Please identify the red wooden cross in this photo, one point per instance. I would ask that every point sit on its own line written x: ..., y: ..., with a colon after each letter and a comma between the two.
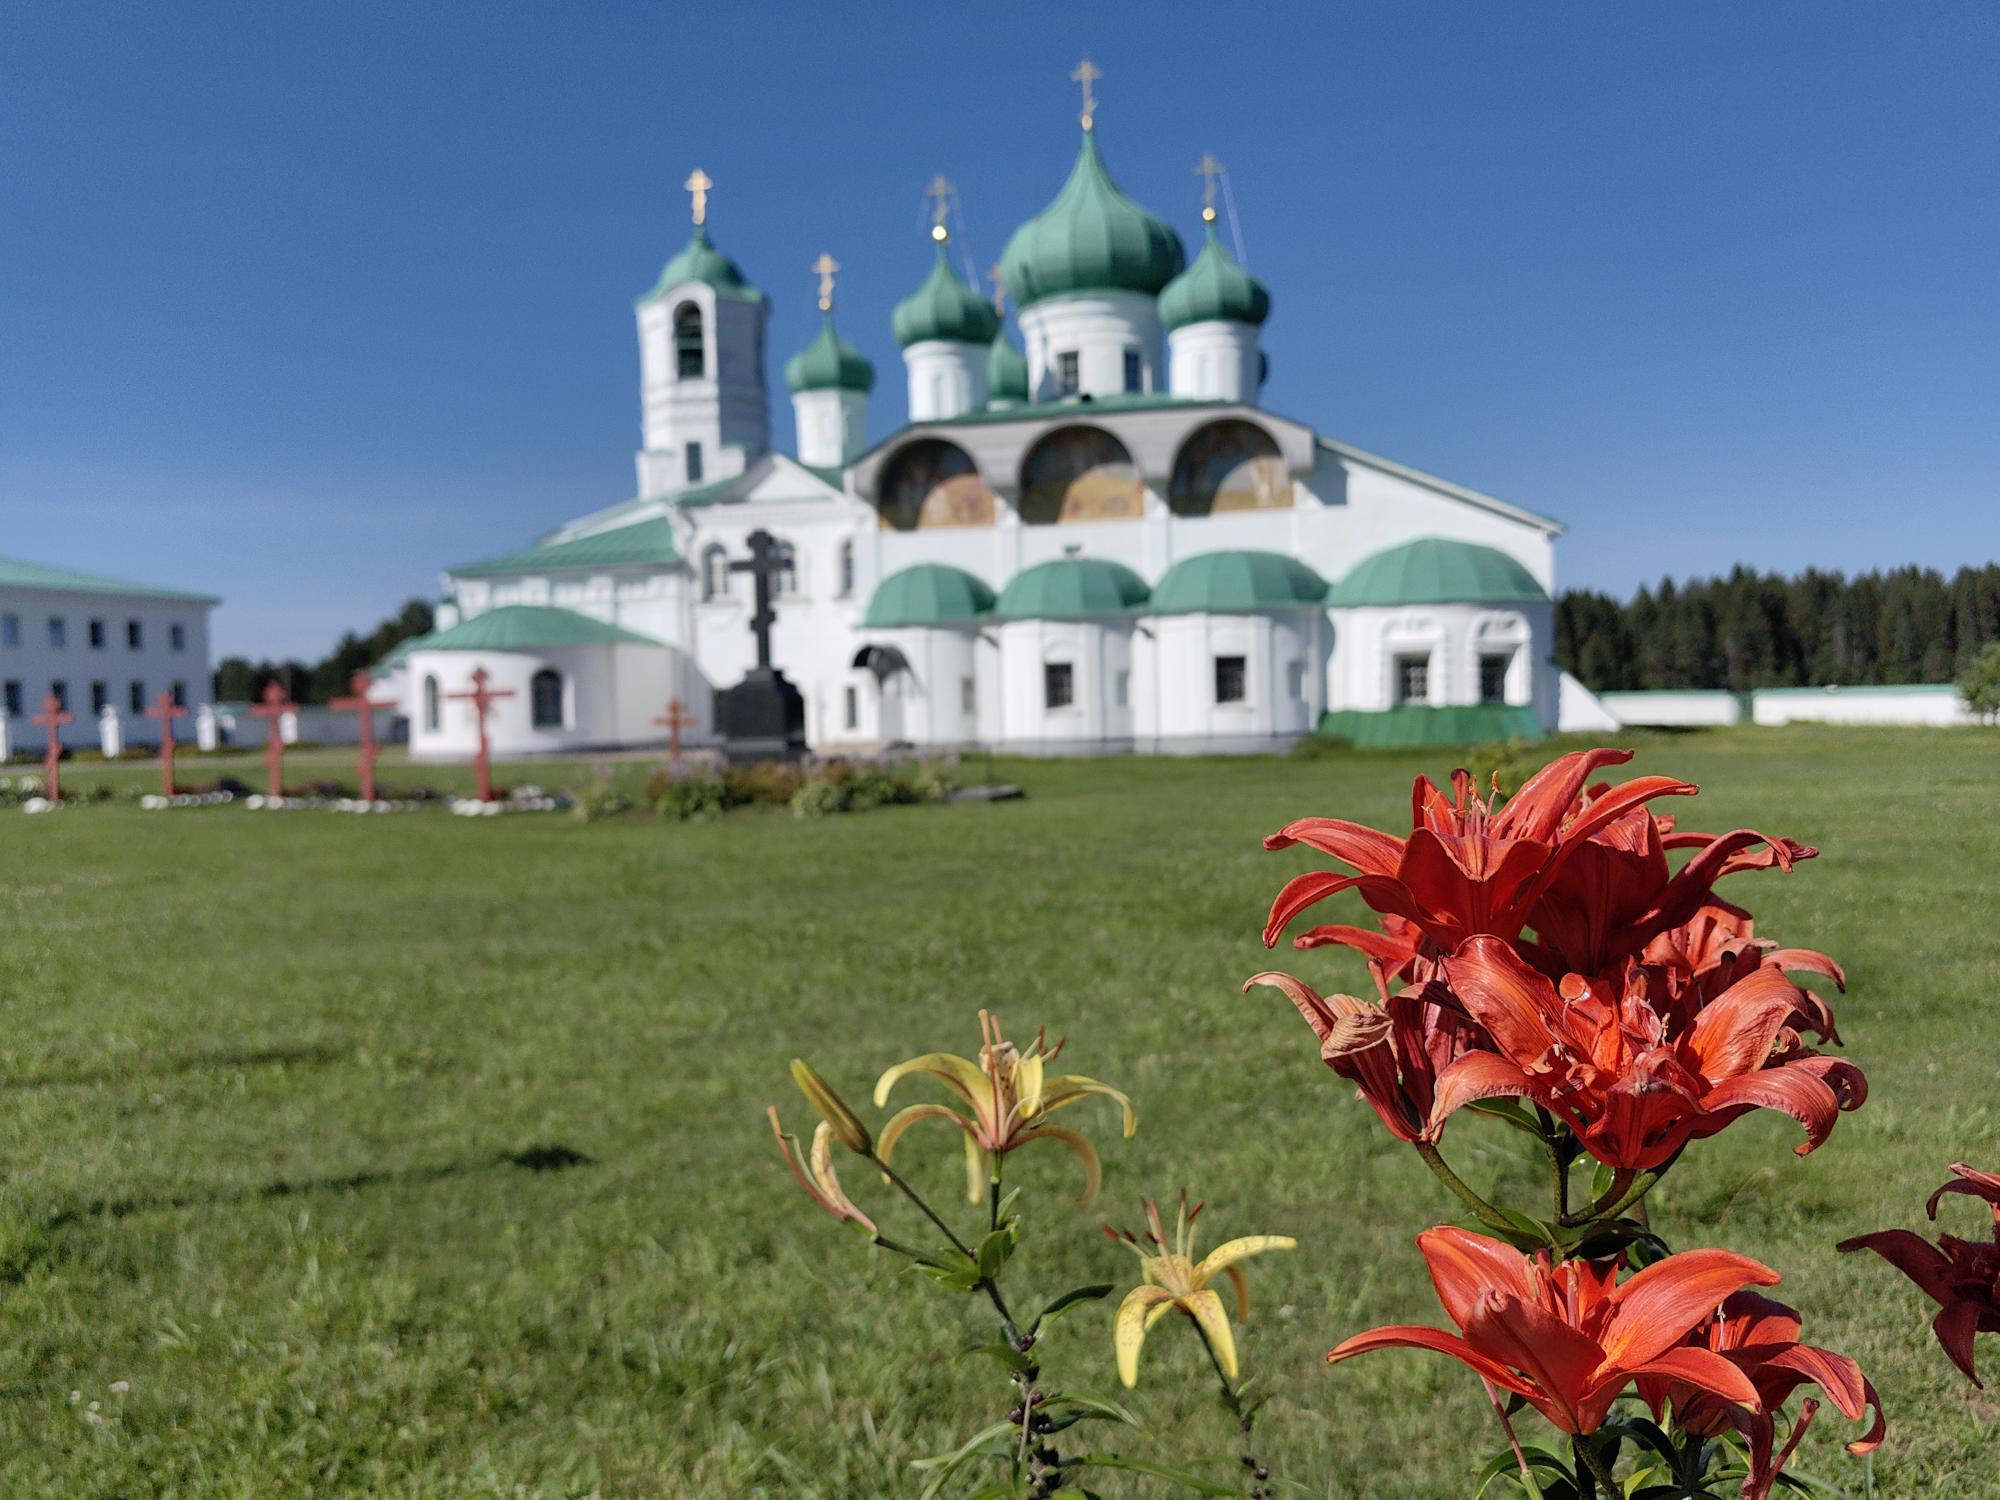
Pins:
x: 674, y: 721
x: 166, y: 711
x: 482, y: 698
x: 364, y: 705
x: 277, y: 703
x: 52, y: 718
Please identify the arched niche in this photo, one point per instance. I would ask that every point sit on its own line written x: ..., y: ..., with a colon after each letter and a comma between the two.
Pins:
x: 1079, y: 474
x: 1227, y: 466
x: 932, y: 483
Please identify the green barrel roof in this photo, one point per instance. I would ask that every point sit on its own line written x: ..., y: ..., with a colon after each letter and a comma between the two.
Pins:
x: 1238, y: 582
x: 1091, y: 237
x: 1214, y: 289
x: 829, y: 363
x: 1072, y: 588
x: 530, y: 627
x: 648, y: 543
x: 1006, y: 370
x: 944, y: 307
x: 928, y: 594
x: 1434, y: 570
x: 701, y: 261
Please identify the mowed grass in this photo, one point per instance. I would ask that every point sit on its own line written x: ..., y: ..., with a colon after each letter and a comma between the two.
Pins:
x: 418, y: 1156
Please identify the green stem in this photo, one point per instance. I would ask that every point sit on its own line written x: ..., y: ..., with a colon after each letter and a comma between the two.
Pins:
x: 1626, y: 1189
x: 1487, y: 1213
x: 1246, y: 1421
x: 1586, y: 1457
x: 1557, y: 1165
x: 985, y: 1283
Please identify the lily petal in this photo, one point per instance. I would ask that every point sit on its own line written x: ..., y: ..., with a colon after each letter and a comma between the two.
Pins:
x: 1650, y: 1313
x: 1229, y: 1252
x: 903, y: 1119
x: 1209, y: 1315
x: 1414, y: 1336
x: 963, y: 1078
x: 1067, y: 1088
x: 1093, y: 1171
x: 1128, y: 1330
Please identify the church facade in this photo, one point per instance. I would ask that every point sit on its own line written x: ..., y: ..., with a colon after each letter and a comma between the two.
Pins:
x: 1095, y: 540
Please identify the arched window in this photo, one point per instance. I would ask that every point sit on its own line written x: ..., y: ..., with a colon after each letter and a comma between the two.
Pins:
x: 715, y: 572
x: 1079, y: 474
x: 785, y: 581
x: 690, y: 358
x: 933, y: 483
x: 545, y: 699
x: 846, y: 569
x: 1228, y: 465
x: 433, y: 705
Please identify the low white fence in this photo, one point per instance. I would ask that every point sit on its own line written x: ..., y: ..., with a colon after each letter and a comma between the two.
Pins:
x: 1931, y: 704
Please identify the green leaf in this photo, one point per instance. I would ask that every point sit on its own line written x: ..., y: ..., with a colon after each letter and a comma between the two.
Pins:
x: 948, y: 1464
x: 1512, y: 1112
x: 1069, y: 1299
x: 1093, y: 1406
x: 1005, y: 1210
x: 952, y: 1268
x: 1158, y: 1471
x: 1003, y: 1351
x: 994, y: 1250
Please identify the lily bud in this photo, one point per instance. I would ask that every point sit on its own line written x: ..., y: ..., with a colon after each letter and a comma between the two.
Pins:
x: 846, y: 1125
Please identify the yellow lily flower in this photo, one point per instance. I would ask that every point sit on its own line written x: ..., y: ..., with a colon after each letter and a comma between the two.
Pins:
x: 1008, y: 1093
x: 1174, y: 1279
x: 817, y: 1177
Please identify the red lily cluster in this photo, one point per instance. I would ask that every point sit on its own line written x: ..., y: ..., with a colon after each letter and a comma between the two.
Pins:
x: 1547, y: 950
x: 1961, y: 1276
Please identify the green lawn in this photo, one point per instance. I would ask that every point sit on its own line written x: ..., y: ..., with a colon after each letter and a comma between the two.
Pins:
x: 414, y: 1156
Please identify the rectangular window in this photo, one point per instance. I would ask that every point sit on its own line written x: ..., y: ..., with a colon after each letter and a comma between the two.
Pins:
x: 1058, y: 684
x: 135, y: 636
x: 58, y: 637
x: 137, y: 697
x: 177, y: 636
x: 1121, y: 690
x: 97, y: 635
x: 13, y: 698
x: 1413, y: 679
x: 692, y: 462
x: 968, y: 695
x: 60, y: 690
x: 10, y: 630
x: 1069, y: 373
x: 1493, y: 678
x: 180, y: 695
x: 1135, y: 371
x: 1231, y: 674
x: 100, y: 697
x: 852, y: 705
x: 1295, y: 681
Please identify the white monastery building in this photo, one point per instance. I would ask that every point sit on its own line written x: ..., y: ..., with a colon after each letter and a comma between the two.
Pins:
x: 1088, y: 536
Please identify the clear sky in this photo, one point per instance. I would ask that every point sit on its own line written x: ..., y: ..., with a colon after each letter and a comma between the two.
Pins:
x: 301, y: 304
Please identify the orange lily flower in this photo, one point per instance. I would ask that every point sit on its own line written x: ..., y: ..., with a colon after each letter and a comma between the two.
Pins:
x: 1009, y: 1096
x: 1961, y: 1276
x: 1569, y: 1338
x: 1174, y: 1279
x: 817, y: 1176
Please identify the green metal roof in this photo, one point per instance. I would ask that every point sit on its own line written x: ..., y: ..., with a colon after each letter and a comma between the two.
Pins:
x: 928, y: 594
x: 648, y: 543
x: 1413, y: 726
x: 1435, y: 570
x: 1072, y: 588
x: 402, y: 649
x: 1091, y: 237
x: 1214, y: 289
x: 1006, y: 370
x: 531, y: 627
x: 1237, y: 582
x: 829, y: 363
x: 1080, y: 407
x: 944, y: 307
x: 701, y: 261
x: 14, y: 573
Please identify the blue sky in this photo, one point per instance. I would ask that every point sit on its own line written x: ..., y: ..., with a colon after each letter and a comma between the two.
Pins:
x: 300, y: 304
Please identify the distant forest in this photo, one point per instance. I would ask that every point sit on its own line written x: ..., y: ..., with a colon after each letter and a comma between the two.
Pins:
x: 238, y: 679
x: 1752, y: 630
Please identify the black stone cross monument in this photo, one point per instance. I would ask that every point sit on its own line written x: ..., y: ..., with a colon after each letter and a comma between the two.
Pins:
x: 763, y: 717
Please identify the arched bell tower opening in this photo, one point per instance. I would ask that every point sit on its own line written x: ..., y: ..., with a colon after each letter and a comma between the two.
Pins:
x: 1079, y: 474
x: 933, y: 483
x: 1231, y: 465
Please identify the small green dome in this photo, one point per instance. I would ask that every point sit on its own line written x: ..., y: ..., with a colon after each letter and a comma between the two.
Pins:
x: 944, y: 307
x: 701, y: 261
x: 1433, y: 570
x: 1072, y: 588
x: 1214, y: 289
x: 1091, y: 237
x: 928, y: 594
x: 1239, y: 582
x: 829, y: 363
x: 1006, y: 371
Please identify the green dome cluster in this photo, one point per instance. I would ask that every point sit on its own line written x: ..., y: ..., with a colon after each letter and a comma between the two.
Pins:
x: 944, y: 307
x: 829, y: 363
x: 1006, y: 371
x: 700, y: 261
x: 1214, y: 289
x: 1091, y: 237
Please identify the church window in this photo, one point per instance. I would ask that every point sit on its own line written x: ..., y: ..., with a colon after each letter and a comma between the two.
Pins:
x: 690, y: 357
x: 1493, y: 676
x: 1079, y: 474
x: 177, y: 637
x: 433, y: 705
x: 1069, y: 373
x: 691, y: 461
x: 1058, y: 684
x: 846, y: 569
x: 851, y: 706
x: 100, y: 697
x: 58, y: 637
x: 97, y: 635
x: 968, y: 695
x: 785, y: 580
x: 135, y: 636
x: 715, y: 572
x: 545, y: 699
x: 136, y: 695
x: 59, y: 690
x: 13, y: 698
x: 10, y: 630
x: 1295, y: 681
x: 932, y: 483
x: 1230, y: 679
x: 1121, y: 690
x: 1226, y: 466
x: 1135, y: 371
x: 1413, y: 679
x: 180, y: 695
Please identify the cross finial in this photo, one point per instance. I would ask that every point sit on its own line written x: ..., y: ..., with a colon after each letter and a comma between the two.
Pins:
x: 939, y: 191
x: 1087, y: 73
x: 996, y: 273
x: 698, y: 184
x: 1208, y: 169
x: 824, y: 268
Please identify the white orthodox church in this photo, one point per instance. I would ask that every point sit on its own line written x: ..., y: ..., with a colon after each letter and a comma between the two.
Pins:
x: 1097, y: 539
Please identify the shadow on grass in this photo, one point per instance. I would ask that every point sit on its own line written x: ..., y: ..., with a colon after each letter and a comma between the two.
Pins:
x: 195, y: 1062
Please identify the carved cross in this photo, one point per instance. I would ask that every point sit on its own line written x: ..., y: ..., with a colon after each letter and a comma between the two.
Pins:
x: 166, y: 711
x: 277, y: 703
x: 483, y: 698
x: 698, y: 184
x: 766, y: 561
x: 52, y: 718
x: 364, y: 705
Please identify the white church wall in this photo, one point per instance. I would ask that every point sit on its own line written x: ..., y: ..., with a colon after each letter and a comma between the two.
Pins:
x: 724, y: 409
x: 1282, y: 678
x: 1450, y: 639
x: 1098, y: 655
x: 1214, y: 361
x: 1099, y: 327
x: 609, y: 695
x: 946, y: 378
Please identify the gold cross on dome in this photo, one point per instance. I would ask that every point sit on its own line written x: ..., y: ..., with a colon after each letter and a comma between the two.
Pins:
x: 1087, y: 73
x: 698, y: 184
x: 1208, y: 169
x: 824, y: 268
x: 998, y: 276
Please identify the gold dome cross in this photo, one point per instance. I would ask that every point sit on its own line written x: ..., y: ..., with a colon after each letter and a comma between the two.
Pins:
x: 698, y: 184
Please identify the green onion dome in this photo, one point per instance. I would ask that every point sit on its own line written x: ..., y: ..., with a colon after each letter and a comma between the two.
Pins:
x: 829, y: 363
x: 1215, y: 289
x: 1091, y: 237
x: 944, y: 307
x: 1006, y: 370
x: 701, y: 261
